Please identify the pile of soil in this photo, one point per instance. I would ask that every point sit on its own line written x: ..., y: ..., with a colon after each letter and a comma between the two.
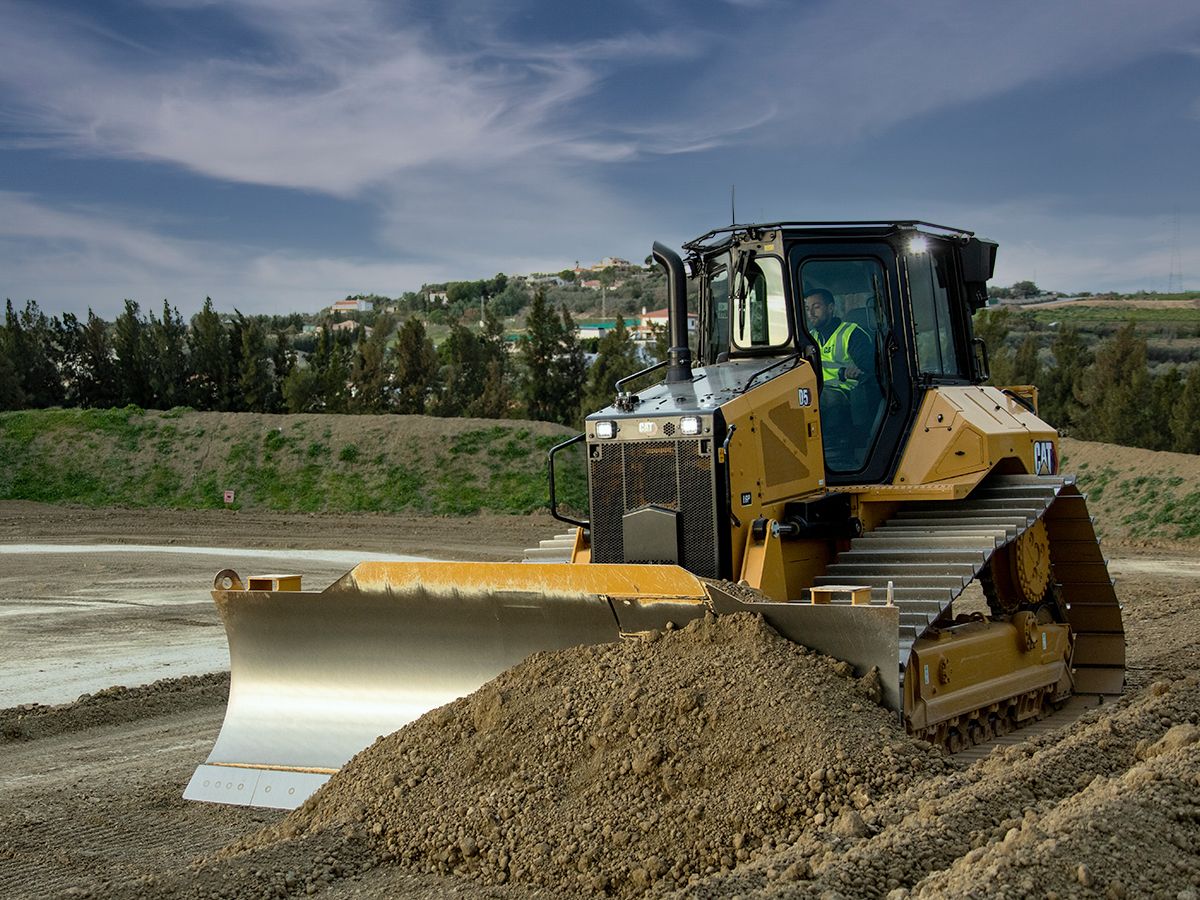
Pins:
x: 1107, y: 807
x: 114, y: 705
x: 620, y: 767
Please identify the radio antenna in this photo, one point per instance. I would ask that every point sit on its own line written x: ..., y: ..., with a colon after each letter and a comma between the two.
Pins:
x: 732, y: 204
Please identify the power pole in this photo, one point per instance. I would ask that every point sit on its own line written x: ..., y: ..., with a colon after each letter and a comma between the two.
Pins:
x: 1175, y: 276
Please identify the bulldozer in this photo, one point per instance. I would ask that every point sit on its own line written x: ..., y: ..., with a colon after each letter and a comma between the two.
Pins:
x: 848, y: 495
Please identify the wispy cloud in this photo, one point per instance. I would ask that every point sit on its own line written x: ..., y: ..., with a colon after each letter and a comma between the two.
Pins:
x: 479, y: 146
x: 69, y: 258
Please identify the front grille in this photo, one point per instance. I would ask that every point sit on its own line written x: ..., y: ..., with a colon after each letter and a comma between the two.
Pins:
x: 675, y: 475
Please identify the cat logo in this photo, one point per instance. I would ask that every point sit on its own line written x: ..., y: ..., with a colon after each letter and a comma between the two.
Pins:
x: 1045, y: 460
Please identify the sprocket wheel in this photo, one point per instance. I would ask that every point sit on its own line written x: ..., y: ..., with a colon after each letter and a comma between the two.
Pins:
x: 1019, y: 572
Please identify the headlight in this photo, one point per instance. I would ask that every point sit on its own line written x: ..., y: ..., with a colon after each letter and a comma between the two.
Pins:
x: 606, y: 429
x: 918, y: 245
x: 689, y: 425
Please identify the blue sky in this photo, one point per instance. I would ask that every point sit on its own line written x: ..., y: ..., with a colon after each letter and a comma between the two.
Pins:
x: 278, y: 154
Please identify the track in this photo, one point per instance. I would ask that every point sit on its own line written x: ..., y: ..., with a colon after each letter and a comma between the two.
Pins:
x: 928, y: 553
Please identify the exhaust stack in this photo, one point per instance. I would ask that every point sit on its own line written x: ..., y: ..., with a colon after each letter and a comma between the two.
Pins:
x: 679, y: 357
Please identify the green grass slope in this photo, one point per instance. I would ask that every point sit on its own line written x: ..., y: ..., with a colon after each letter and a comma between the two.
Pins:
x: 304, y: 463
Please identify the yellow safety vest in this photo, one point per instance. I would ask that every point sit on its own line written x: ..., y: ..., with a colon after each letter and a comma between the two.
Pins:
x: 835, y: 356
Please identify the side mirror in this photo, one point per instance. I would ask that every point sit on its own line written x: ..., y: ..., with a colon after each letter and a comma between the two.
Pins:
x: 983, y: 366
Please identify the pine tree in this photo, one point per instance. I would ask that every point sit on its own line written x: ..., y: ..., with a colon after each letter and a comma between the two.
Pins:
x: 1165, y: 391
x: 209, y: 380
x: 494, y: 400
x: 1184, y: 420
x: 302, y: 390
x: 1026, y: 367
x: 464, y: 368
x: 1117, y: 392
x: 254, y: 374
x: 416, y: 365
x: 283, y: 360
x: 31, y: 349
x: 372, y: 373
x: 617, y: 357
x: 167, y: 342
x: 131, y: 345
x: 538, y: 349
x: 12, y: 396
x: 1061, y: 389
x: 570, y: 371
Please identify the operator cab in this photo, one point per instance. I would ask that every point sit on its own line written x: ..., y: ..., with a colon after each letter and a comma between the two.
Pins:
x: 888, y: 302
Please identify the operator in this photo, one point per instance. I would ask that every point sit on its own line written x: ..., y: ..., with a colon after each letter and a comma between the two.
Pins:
x: 847, y: 356
x: 846, y: 352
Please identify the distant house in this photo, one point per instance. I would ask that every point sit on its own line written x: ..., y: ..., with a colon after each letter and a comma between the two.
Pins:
x: 659, y: 318
x: 348, y: 325
x: 593, y: 284
x: 350, y: 304
x: 588, y: 330
x: 609, y: 261
x: 438, y: 298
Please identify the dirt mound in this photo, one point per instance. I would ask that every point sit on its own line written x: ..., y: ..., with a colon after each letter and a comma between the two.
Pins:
x: 113, y: 706
x: 1108, y: 804
x: 619, y: 767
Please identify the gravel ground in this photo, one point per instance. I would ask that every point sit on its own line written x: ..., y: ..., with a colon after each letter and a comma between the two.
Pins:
x: 715, y: 761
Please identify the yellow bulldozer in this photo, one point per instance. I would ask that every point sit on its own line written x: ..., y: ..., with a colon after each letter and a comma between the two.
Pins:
x: 821, y: 450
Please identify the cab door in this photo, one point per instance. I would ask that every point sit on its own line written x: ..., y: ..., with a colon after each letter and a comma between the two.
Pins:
x: 867, y: 394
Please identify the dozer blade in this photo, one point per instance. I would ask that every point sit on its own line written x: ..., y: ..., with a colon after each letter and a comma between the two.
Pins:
x: 317, y: 676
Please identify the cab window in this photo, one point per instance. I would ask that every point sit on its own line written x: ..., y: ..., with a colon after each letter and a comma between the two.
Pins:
x: 759, y: 308
x: 718, y: 327
x: 929, y: 278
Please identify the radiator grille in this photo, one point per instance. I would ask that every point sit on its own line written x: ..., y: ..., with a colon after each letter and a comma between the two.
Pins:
x: 676, y: 475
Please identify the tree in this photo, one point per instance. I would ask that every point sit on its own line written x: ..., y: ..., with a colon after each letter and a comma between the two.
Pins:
x: 167, y: 346
x: 1026, y: 367
x: 495, y: 396
x: 330, y: 363
x: 31, y: 350
x: 97, y: 375
x: 1184, y: 420
x: 1117, y: 392
x: 254, y: 373
x: 302, y: 390
x: 372, y: 373
x: 538, y: 348
x: 464, y: 366
x: 210, y: 372
x: 11, y: 394
x: 1060, y: 392
x: 1165, y: 391
x: 283, y: 360
x: 132, y: 347
x: 617, y: 357
x: 416, y: 365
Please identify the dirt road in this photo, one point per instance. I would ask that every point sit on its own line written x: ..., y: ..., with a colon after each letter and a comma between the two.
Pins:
x: 90, y: 792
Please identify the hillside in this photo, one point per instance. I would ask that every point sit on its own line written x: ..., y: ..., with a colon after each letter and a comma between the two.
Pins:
x: 1138, y: 497
x: 423, y: 465
x: 295, y: 463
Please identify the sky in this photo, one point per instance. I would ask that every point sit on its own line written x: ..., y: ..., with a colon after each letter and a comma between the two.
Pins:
x: 277, y: 155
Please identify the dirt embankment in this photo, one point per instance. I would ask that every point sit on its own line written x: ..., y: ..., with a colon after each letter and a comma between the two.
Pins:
x: 183, y: 459
x: 1143, y: 500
